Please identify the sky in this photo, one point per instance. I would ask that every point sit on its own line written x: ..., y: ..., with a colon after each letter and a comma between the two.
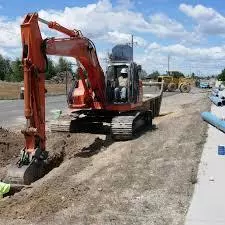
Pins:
x: 191, y: 33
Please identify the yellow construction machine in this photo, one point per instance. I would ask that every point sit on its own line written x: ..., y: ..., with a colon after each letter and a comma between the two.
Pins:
x: 172, y: 83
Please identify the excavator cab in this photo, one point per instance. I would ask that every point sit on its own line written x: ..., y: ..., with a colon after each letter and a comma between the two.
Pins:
x: 113, y: 72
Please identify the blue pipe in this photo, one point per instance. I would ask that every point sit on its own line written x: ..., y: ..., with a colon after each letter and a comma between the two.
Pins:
x: 213, y: 120
x: 216, y: 100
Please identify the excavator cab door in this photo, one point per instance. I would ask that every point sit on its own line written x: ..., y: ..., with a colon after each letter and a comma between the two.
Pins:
x: 133, y: 92
x: 112, y: 74
x: 130, y: 92
x: 112, y: 80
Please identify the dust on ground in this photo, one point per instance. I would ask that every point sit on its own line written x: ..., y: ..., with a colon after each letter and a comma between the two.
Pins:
x: 148, y: 180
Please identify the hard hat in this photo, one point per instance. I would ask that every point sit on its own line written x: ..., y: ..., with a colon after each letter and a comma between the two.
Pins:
x: 124, y: 70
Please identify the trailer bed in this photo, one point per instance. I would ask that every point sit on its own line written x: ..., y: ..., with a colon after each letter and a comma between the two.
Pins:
x: 152, y: 101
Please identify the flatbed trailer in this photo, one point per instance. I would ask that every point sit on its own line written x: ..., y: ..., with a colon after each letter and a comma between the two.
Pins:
x: 152, y: 101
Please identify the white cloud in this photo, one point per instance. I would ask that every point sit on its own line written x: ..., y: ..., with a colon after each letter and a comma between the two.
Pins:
x: 97, y: 19
x: 3, y: 52
x: 116, y: 37
x: 162, y: 26
x: 198, y: 11
x: 102, y: 21
x: 10, y: 32
x: 207, y: 60
x: 209, y: 20
x: 125, y: 4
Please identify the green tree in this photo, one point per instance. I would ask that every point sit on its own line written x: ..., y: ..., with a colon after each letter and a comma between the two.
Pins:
x: 221, y: 76
x: 52, y: 70
x: 5, y: 68
x: 154, y: 75
x: 63, y: 65
x: 8, y: 70
x: 2, y: 68
x: 17, y: 70
x: 176, y: 74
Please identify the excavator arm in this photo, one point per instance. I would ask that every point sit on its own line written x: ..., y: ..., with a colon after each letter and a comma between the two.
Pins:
x: 35, y: 64
x: 84, y: 51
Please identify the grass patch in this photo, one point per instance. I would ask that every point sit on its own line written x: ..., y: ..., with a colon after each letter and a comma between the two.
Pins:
x: 11, y: 90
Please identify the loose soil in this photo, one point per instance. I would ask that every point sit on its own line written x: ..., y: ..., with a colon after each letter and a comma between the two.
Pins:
x: 148, y: 180
x: 10, y: 145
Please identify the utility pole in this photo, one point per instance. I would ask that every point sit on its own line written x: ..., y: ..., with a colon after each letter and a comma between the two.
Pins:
x: 132, y: 45
x: 190, y: 68
x: 168, y: 64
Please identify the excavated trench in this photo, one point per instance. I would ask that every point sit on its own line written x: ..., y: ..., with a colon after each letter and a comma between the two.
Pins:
x: 10, y: 145
x: 61, y: 146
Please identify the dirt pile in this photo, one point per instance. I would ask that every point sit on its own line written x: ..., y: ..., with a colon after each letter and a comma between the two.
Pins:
x: 10, y: 145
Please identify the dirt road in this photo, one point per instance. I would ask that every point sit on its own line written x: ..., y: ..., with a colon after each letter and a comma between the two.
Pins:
x: 148, y: 180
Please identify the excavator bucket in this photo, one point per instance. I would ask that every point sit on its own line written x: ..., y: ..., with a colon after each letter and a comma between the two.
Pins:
x: 26, y: 174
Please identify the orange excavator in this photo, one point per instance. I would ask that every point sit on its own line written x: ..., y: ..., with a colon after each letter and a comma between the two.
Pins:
x: 92, y: 95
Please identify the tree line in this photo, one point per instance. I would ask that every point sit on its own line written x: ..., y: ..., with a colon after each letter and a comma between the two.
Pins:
x: 221, y: 76
x: 12, y: 70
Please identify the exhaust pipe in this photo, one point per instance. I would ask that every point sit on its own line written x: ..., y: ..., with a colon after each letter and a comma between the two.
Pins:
x: 213, y: 120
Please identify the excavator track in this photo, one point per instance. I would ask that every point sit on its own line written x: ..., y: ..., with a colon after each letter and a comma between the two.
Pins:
x: 125, y: 126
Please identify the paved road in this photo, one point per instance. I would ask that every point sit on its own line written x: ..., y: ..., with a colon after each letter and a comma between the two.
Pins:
x: 12, y: 111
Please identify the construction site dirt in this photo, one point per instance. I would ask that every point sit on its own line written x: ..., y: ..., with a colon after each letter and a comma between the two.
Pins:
x: 94, y: 180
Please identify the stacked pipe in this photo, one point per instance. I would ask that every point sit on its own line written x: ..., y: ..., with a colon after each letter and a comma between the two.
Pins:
x: 215, y: 92
x: 218, y: 97
x: 213, y: 120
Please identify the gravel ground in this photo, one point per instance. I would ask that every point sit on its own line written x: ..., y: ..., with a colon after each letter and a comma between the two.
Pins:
x: 149, y: 180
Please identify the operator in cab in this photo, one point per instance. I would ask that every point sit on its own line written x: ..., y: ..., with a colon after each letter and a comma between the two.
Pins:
x: 120, y: 91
